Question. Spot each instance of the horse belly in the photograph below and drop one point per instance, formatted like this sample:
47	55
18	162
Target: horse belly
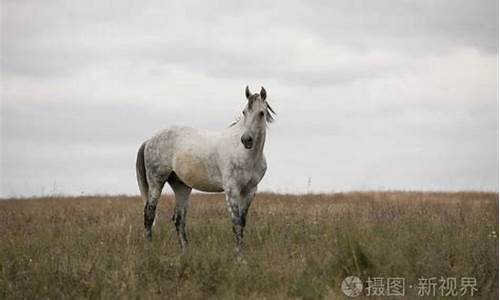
196	173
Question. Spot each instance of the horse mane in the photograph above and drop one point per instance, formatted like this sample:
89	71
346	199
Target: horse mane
235	122
270	113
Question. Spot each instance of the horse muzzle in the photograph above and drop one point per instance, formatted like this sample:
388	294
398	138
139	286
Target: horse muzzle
247	141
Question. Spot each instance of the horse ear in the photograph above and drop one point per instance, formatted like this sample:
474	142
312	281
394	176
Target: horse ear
263	93
247	93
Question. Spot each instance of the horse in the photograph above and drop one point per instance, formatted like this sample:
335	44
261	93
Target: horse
229	160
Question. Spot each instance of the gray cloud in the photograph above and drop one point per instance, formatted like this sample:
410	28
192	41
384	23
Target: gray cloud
414	26
376	94
217	39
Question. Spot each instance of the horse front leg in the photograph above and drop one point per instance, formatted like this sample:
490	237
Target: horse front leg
238	205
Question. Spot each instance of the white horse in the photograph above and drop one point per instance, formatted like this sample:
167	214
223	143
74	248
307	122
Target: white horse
230	161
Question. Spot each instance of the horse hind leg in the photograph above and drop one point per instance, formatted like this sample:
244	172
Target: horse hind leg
182	192
154	193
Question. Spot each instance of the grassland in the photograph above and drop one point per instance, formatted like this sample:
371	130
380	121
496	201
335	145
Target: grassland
296	247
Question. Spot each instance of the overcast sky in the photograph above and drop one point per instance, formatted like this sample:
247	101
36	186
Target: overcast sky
369	94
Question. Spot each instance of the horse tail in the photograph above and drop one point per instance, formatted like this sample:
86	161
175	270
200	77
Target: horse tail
141	172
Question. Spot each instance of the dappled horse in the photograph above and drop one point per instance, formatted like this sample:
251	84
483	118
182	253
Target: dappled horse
230	161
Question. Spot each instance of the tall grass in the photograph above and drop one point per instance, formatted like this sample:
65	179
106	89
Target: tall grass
296	247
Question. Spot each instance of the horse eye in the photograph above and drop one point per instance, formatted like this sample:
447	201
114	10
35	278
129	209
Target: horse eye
261	114
244	113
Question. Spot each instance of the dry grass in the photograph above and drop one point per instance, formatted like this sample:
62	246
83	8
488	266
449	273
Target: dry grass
295	246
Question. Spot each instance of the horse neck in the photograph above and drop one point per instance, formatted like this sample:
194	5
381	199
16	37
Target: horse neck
258	149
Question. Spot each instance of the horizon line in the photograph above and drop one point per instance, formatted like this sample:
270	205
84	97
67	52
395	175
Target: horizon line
310	193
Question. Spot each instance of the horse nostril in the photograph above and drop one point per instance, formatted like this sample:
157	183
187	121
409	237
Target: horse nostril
246	140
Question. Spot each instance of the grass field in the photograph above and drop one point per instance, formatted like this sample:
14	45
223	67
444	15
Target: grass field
296	247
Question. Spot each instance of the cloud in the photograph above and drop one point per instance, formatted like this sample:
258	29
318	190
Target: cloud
368	94
305	42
